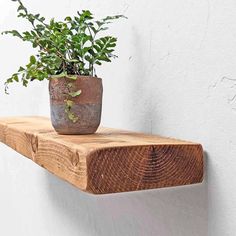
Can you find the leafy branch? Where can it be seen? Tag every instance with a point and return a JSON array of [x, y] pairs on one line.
[[64, 48]]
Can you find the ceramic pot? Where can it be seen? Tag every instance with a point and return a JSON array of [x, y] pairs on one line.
[[83, 114]]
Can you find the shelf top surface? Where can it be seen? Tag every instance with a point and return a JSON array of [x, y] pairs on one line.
[[104, 137]]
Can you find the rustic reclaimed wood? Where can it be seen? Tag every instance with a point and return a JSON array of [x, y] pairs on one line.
[[108, 161]]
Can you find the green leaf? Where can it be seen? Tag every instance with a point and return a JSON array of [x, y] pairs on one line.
[[68, 18], [104, 58], [72, 117], [25, 82], [93, 29], [63, 74], [97, 48], [10, 80], [69, 103], [108, 18], [73, 60], [73, 77], [75, 94], [104, 28], [14, 33], [15, 77], [70, 114], [112, 39], [88, 58], [21, 69], [98, 63], [21, 7], [85, 15], [32, 60]]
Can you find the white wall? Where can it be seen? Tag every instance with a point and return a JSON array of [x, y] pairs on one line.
[[175, 76]]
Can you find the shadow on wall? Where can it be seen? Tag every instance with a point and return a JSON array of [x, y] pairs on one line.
[[180, 211], [139, 82]]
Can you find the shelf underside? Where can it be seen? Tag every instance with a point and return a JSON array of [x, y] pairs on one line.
[[108, 161]]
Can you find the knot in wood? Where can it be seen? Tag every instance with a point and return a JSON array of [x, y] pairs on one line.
[[75, 159], [34, 143]]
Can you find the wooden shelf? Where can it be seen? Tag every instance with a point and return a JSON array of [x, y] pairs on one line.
[[108, 161]]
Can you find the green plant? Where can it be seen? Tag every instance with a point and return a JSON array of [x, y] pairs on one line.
[[65, 48]]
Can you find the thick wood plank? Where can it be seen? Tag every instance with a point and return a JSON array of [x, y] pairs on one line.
[[108, 161]]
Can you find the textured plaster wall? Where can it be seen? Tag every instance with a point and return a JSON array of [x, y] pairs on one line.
[[175, 76]]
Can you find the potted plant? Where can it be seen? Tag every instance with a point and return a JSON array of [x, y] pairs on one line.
[[67, 53]]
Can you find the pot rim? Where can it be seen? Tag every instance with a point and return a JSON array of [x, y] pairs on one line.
[[78, 76]]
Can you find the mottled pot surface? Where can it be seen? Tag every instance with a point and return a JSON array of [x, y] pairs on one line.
[[86, 107]]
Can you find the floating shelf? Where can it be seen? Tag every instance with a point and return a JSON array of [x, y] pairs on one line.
[[108, 161]]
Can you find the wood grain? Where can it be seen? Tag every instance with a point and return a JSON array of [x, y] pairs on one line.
[[108, 161]]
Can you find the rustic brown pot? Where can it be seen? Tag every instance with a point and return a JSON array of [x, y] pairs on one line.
[[86, 107]]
